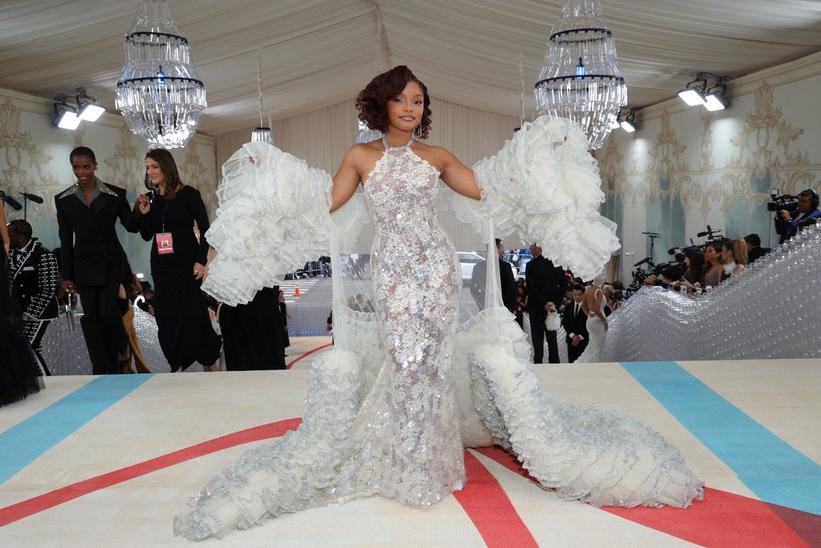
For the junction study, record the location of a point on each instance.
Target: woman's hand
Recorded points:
(142, 204)
(199, 271)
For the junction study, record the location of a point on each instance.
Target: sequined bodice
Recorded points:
(400, 192)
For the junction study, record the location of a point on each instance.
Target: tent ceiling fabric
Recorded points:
(320, 52)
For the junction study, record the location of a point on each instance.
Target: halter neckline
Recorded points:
(389, 147)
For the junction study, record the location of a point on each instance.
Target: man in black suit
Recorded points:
(574, 321)
(34, 276)
(545, 288)
(754, 249)
(508, 283)
(91, 261)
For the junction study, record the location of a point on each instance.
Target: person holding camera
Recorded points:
(788, 223)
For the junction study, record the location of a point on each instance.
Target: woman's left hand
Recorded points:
(199, 271)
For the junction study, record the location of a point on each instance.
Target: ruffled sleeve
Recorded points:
(544, 186)
(272, 217)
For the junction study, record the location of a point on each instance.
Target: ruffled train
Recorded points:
(583, 453)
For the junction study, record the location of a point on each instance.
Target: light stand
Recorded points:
(651, 260)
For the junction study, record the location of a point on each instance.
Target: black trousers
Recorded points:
(103, 327)
(573, 352)
(538, 333)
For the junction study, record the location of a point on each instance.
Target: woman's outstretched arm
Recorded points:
(457, 175)
(346, 179)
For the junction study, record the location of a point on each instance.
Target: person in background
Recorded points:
(34, 275)
(283, 314)
(130, 286)
(754, 249)
(521, 301)
(713, 267)
(734, 257)
(19, 374)
(545, 288)
(178, 258)
(574, 322)
(788, 223)
(478, 280)
(91, 263)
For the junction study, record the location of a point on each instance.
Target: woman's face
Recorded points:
(155, 174)
(687, 262)
(405, 110)
(710, 254)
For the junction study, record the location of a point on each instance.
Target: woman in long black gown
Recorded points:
(177, 257)
(19, 374)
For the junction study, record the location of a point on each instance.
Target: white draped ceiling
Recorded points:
(316, 53)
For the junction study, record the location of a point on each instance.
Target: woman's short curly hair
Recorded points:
(373, 100)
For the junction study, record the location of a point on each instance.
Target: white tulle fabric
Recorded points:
(389, 392)
(272, 214)
(768, 310)
(544, 186)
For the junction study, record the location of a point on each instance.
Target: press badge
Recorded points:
(165, 243)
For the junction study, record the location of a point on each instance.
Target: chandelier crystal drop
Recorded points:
(158, 93)
(580, 79)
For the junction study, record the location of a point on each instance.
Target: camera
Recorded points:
(782, 201)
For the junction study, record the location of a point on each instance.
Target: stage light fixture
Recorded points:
(628, 126)
(693, 91)
(65, 115)
(627, 120)
(89, 109)
(716, 98)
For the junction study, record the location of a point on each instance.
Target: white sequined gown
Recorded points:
(406, 388)
(416, 284)
(594, 352)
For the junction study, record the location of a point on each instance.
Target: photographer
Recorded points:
(788, 222)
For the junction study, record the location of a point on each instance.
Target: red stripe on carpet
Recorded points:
(308, 353)
(721, 519)
(31, 506)
(489, 508)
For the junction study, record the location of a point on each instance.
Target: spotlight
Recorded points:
(65, 115)
(90, 111)
(708, 90)
(693, 91)
(627, 121)
(716, 98)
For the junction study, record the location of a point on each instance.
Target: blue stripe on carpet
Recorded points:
(770, 467)
(24, 442)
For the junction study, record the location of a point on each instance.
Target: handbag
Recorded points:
(552, 321)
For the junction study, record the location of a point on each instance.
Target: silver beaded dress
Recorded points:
(410, 382)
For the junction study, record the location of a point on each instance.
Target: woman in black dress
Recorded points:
(19, 373)
(177, 257)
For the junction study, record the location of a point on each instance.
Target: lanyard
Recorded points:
(164, 211)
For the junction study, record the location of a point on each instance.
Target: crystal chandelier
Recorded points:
(158, 93)
(580, 79)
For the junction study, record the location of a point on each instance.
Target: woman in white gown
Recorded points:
(407, 387)
(593, 305)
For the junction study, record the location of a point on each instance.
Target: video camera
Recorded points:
(778, 202)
